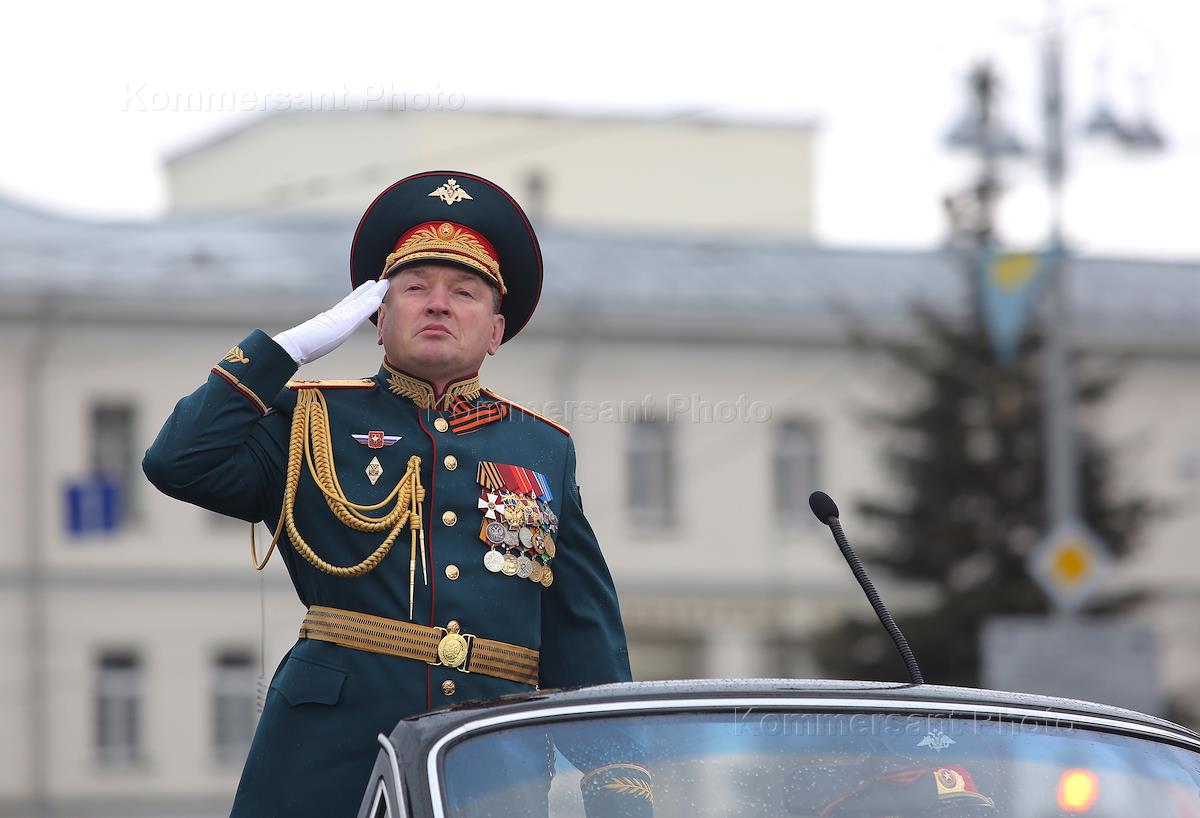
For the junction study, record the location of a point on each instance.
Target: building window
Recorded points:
(118, 708)
(797, 471)
(651, 484)
(114, 455)
(234, 706)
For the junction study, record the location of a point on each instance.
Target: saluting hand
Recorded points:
(324, 333)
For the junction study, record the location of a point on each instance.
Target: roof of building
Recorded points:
(601, 276)
(309, 106)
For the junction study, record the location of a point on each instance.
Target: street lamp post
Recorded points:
(1058, 387)
(983, 133)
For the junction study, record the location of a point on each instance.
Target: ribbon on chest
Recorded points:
(515, 502)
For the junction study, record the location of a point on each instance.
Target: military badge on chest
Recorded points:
(518, 526)
(375, 440)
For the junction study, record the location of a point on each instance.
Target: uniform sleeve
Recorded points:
(583, 640)
(222, 448)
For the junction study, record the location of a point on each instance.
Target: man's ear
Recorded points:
(497, 333)
(379, 325)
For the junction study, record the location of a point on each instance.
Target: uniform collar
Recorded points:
(421, 391)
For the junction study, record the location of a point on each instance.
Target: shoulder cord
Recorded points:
(310, 441)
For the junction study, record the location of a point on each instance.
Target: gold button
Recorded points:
(449, 518)
(441, 425)
(448, 687)
(451, 572)
(451, 462)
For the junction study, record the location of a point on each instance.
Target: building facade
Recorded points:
(706, 401)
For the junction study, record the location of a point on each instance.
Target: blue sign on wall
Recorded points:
(93, 506)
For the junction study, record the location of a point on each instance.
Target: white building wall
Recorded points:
(177, 625)
(14, 491)
(642, 175)
(15, 753)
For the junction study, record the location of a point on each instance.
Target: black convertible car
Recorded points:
(773, 748)
(791, 748)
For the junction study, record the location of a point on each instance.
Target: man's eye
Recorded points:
(467, 293)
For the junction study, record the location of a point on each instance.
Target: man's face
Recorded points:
(437, 321)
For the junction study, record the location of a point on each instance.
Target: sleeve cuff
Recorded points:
(258, 368)
(621, 790)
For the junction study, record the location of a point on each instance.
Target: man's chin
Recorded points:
(427, 361)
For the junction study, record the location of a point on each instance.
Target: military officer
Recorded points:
(433, 528)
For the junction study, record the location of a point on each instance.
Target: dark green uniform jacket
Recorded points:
(225, 448)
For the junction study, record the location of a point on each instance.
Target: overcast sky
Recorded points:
(883, 81)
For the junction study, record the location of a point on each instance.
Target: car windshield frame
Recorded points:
(1033, 713)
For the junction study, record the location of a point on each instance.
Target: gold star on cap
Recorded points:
(450, 192)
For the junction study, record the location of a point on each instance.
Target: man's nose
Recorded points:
(438, 302)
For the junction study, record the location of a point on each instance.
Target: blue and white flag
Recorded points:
(1010, 285)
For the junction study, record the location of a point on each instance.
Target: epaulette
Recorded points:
(527, 411)
(354, 383)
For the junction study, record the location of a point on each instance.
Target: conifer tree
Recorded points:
(967, 456)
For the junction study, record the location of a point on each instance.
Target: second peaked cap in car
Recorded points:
(456, 218)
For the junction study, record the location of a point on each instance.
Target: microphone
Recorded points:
(826, 511)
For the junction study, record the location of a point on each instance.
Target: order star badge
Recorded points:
(450, 192)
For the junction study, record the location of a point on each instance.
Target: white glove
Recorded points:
(323, 334)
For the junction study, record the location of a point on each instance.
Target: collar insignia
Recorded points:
(421, 392)
(450, 192)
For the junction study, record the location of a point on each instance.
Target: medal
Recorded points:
(526, 537)
(547, 578)
(524, 566)
(538, 571)
(495, 533)
(510, 565)
(511, 539)
(490, 505)
(493, 560)
(532, 514)
(549, 543)
(539, 541)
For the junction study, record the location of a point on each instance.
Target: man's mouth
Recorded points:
(435, 329)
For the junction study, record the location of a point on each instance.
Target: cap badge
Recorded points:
(936, 740)
(450, 192)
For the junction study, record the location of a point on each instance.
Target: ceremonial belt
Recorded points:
(432, 645)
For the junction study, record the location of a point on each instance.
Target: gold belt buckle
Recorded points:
(454, 648)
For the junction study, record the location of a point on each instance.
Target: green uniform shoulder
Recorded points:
(527, 411)
(285, 401)
(353, 383)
